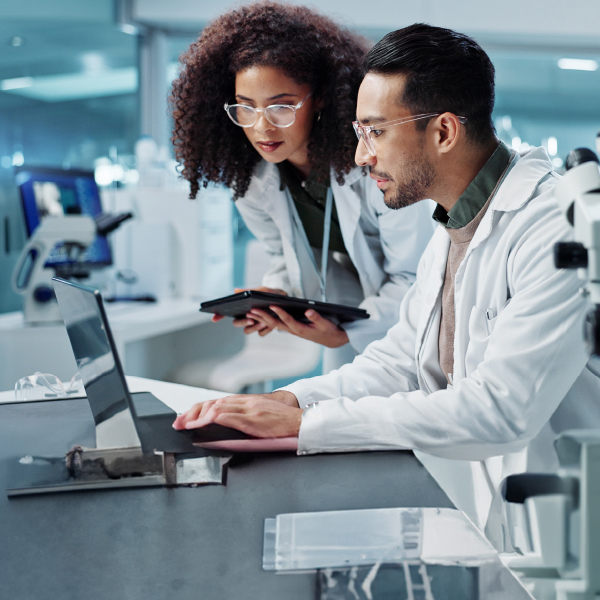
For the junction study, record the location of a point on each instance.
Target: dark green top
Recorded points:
(309, 197)
(471, 201)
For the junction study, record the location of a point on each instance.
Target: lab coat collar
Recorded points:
(268, 175)
(522, 180)
(515, 190)
(355, 174)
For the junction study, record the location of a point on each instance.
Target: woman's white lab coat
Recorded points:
(384, 245)
(520, 372)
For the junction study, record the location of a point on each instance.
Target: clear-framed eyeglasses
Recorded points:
(367, 133)
(280, 115)
(41, 386)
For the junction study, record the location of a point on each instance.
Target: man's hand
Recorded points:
(320, 330)
(260, 415)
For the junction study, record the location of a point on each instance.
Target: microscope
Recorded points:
(32, 277)
(554, 519)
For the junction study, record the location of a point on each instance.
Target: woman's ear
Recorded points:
(319, 105)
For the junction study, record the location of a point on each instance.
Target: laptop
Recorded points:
(122, 419)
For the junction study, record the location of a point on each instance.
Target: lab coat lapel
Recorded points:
(276, 205)
(427, 332)
(348, 206)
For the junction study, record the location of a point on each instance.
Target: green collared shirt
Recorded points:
(309, 197)
(471, 201)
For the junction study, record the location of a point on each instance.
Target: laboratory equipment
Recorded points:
(35, 268)
(578, 195)
(32, 273)
(406, 552)
(67, 234)
(47, 191)
(554, 519)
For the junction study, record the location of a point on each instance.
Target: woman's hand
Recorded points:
(251, 325)
(320, 330)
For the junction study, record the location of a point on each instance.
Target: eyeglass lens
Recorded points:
(366, 139)
(279, 115)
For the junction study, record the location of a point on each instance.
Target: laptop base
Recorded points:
(92, 469)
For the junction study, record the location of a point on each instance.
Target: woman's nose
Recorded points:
(262, 123)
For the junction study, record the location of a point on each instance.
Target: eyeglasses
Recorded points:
(366, 132)
(41, 386)
(280, 115)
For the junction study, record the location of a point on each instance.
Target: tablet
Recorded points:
(237, 305)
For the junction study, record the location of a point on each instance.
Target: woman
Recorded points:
(264, 104)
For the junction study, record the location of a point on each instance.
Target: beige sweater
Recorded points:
(459, 242)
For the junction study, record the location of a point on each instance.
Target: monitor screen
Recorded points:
(48, 191)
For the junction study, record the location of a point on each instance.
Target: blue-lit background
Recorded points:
(79, 83)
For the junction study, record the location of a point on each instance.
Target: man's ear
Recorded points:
(447, 131)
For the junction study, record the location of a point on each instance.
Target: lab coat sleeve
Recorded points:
(268, 234)
(403, 235)
(527, 364)
(386, 367)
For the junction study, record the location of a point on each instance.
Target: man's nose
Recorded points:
(362, 156)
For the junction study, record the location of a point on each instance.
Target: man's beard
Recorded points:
(418, 176)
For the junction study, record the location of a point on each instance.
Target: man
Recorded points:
(487, 361)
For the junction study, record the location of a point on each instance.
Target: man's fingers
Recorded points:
(213, 410)
(191, 415)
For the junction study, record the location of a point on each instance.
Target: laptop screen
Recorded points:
(113, 407)
(94, 349)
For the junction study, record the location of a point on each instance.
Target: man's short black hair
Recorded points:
(445, 71)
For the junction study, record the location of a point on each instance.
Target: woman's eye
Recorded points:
(376, 132)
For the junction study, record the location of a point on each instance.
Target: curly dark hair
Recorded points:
(308, 47)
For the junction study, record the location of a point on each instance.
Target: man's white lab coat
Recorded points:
(384, 245)
(520, 372)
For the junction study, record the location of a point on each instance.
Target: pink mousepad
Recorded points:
(254, 445)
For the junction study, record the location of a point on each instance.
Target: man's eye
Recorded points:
(376, 132)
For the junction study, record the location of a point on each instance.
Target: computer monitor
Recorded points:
(49, 191)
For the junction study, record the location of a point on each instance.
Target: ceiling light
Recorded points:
(16, 83)
(74, 86)
(578, 64)
(93, 62)
(16, 41)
